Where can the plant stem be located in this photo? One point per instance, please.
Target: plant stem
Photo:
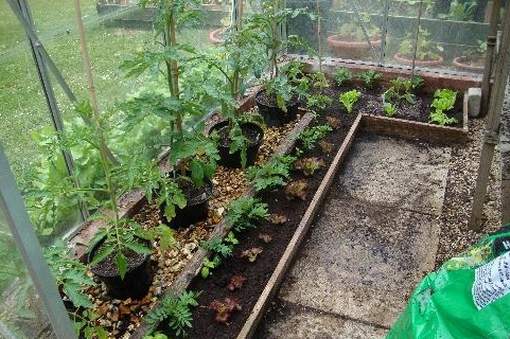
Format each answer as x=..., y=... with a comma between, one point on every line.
x=319, y=47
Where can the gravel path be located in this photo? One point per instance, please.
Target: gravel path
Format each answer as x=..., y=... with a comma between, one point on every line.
x=455, y=236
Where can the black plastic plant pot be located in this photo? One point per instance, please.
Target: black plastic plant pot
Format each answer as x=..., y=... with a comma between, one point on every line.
x=272, y=114
x=137, y=280
x=253, y=132
x=197, y=206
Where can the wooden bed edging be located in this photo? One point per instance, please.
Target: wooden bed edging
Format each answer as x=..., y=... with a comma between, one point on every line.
x=192, y=268
x=285, y=261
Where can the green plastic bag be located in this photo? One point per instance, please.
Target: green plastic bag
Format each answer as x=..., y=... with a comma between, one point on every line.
x=468, y=297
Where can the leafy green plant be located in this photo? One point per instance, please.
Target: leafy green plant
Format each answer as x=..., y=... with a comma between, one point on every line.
x=370, y=78
x=342, y=76
x=402, y=89
x=85, y=323
x=176, y=310
x=120, y=236
x=157, y=335
x=245, y=212
x=444, y=101
x=353, y=31
x=221, y=249
x=461, y=10
x=389, y=109
x=348, y=99
x=318, y=101
x=311, y=135
x=70, y=274
x=272, y=174
x=281, y=89
x=426, y=50
x=309, y=165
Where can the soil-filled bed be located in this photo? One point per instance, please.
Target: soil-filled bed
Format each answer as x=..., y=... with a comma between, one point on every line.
x=371, y=102
x=259, y=272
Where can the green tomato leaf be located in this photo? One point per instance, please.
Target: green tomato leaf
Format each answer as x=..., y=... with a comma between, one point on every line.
x=122, y=264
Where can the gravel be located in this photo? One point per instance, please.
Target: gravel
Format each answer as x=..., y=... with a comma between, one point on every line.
x=455, y=235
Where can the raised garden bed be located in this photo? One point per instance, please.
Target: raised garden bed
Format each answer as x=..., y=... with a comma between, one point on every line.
x=178, y=270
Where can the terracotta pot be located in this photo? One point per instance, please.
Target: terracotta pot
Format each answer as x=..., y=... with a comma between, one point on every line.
x=403, y=60
x=216, y=36
x=351, y=49
x=462, y=63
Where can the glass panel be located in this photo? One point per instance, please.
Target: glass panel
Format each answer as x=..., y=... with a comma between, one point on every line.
x=21, y=313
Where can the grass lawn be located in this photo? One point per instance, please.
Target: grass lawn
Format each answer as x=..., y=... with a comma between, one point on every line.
x=23, y=108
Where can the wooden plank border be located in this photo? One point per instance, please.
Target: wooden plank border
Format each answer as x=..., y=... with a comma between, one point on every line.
x=286, y=260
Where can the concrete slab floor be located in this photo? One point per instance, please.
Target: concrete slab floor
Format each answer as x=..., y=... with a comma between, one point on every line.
x=296, y=321
x=375, y=238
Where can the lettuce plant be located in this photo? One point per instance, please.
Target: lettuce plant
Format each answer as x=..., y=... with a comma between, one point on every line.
x=444, y=101
x=348, y=99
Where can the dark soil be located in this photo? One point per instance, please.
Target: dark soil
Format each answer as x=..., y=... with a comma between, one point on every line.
x=108, y=267
x=259, y=272
x=251, y=134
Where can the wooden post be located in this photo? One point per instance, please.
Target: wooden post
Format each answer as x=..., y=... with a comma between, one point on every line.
x=489, y=56
x=491, y=137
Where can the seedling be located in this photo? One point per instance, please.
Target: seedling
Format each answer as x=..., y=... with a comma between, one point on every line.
x=311, y=135
x=176, y=310
x=370, y=78
x=220, y=249
x=389, y=109
x=402, y=90
x=272, y=174
x=326, y=147
x=444, y=100
x=349, y=99
x=224, y=309
x=236, y=282
x=334, y=122
x=251, y=254
x=342, y=76
x=246, y=212
x=309, y=165
x=297, y=189
x=277, y=219
x=266, y=238
x=318, y=101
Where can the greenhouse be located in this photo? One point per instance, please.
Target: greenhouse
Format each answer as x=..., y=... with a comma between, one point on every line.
x=254, y=169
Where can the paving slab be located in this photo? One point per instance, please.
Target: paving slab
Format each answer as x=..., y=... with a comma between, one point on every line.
x=298, y=322
x=396, y=173
x=362, y=261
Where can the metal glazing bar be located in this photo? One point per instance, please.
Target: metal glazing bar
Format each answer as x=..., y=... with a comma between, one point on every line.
x=22, y=230
x=384, y=31
x=415, y=47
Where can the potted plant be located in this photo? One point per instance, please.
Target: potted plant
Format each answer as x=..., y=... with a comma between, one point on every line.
x=474, y=58
x=192, y=156
x=427, y=52
x=239, y=136
x=277, y=100
x=216, y=36
x=351, y=40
